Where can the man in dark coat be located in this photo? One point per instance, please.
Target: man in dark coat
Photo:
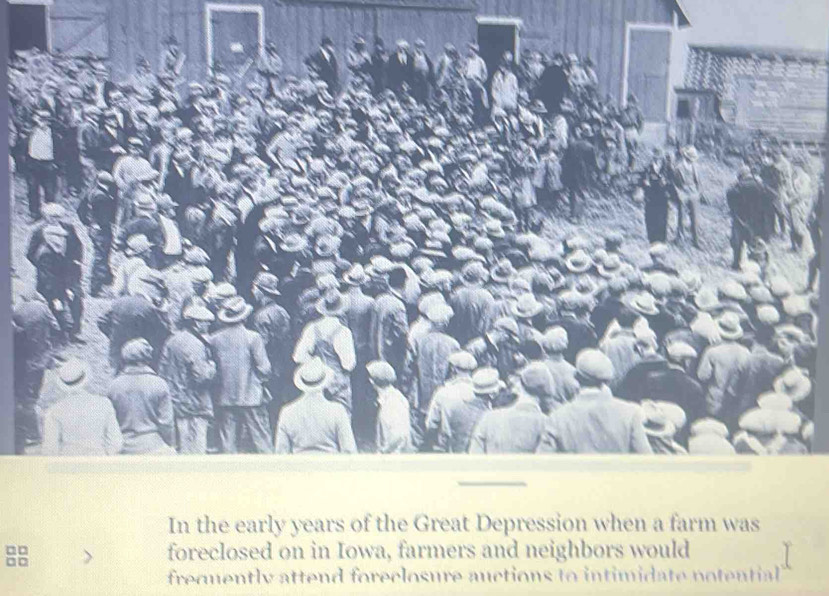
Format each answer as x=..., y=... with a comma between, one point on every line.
x=273, y=323
x=97, y=211
x=324, y=63
x=656, y=187
x=35, y=329
x=399, y=68
x=188, y=366
x=553, y=85
x=42, y=147
x=578, y=168
x=389, y=323
x=139, y=315
x=179, y=182
x=751, y=204
x=146, y=221
x=474, y=305
x=378, y=66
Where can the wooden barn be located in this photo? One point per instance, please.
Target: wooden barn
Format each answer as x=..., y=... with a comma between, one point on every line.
x=629, y=40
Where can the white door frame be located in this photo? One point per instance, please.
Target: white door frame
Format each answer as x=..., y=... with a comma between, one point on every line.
x=669, y=28
x=514, y=22
x=211, y=7
x=47, y=15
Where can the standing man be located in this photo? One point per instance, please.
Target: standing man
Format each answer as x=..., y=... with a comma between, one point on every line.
x=504, y=88
x=721, y=367
x=517, y=428
x=389, y=322
x=142, y=403
x=312, y=423
x=393, y=419
x=80, y=423
x=324, y=63
x=187, y=365
x=399, y=69
x=269, y=68
x=595, y=421
x=422, y=73
x=461, y=416
x=751, y=204
x=656, y=192
x=578, y=167
x=688, y=190
x=242, y=363
x=358, y=318
x=41, y=167
x=97, y=211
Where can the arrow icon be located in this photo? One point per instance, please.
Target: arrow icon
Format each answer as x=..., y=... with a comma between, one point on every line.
x=87, y=558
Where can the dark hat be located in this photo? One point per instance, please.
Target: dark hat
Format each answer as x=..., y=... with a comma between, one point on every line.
x=332, y=304
x=267, y=283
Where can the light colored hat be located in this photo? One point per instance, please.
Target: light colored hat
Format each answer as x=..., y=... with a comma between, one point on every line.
x=197, y=312
x=706, y=300
x=729, y=326
x=53, y=210
x=610, y=266
x=679, y=351
x=312, y=376
x=796, y=305
x=136, y=351
x=794, y=383
x=595, y=365
x=780, y=287
x=526, y=306
x=656, y=423
x=331, y=304
x=536, y=379
x=381, y=372
x=555, y=340
x=463, y=361
x=137, y=244
x=771, y=400
x=732, y=290
x=267, y=283
x=761, y=295
x=644, y=303
x=768, y=315
x=766, y=421
x=234, y=310
x=485, y=381
x=672, y=412
x=578, y=261
x=658, y=250
x=74, y=373
x=439, y=313
x=356, y=276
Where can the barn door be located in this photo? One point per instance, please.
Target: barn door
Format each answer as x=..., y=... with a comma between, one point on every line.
x=649, y=57
x=234, y=37
x=80, y=29
x=28, y=27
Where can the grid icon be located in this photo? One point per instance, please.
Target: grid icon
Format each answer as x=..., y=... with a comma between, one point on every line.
x=17, y=555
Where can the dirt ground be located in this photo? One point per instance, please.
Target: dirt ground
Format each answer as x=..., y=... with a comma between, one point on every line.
x=602, y=214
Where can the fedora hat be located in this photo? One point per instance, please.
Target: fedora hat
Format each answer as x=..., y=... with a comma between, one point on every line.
x=355, y=276
x=526, y=306
x=381, y=372
x=609, y=266
x=673, y=412
x=137, y=244
x=502, y=272
x=312, y=375
x=706, y=300
x=331, y=304
x=794, y=383
x=644, y=303
x=327, y=246
x=234, y=310
x=136, y=351
x=656, y=422
x=729, y=326
x=594, y=364
x=485, y=381
x=267, y=283
x=294, y=243
x=578, y=262
x=73, y=374
x=438, y=312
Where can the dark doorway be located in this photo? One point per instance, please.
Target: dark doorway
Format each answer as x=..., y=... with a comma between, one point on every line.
x=27, y=27
x=494, y=39
x=235, y=42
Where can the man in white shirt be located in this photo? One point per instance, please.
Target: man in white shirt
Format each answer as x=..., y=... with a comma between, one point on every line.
x=41, y=167
x=476, y=75
x=393, y=421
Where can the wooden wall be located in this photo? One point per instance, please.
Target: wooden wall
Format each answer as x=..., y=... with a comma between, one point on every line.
x=594, y=28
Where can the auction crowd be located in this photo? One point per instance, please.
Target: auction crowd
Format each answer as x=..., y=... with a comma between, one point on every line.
x=302, y=265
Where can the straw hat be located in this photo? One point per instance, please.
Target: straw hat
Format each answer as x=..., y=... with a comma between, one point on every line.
x=312, y=376
x=793, y=383
x=234, y=310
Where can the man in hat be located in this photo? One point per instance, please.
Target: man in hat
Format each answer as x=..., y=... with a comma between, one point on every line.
x=111, y=142
x=517, y=428
x=393, y=431
x=458, y=387
x=553, y=85
x=145, y=221
x=578, y=166
x=475, y=74
x=427, y=362
x=269, y=68
x=498, y=347
x=422, y=76
x=179, y=183
x=35, y=330
x=721, y=367
x=633, y=122
x=595, y=421
x=138, y=314
x=359, y=60
x=504, y=87
x=642, y=380
x=389, y=322
x=80, y=423
x=41, y=165
x=461, y=415
x=97, y=211
x=273, y=323
x=142, y=403
x=330, y=339
x=137, y=254
x=358, y=318
x=241, y=403
x=313, y=423
x=399, y=68
x=473, y=304
x=751, y=205
x=554, y=343
x=187, y=365
x=574, y=317
x=687, y=182
x=172, y=59
x=324, y=63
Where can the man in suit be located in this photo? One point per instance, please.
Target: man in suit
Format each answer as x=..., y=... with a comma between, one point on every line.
x=389, y=322
x=399, y=68
x=97, y=211
x=41, y=148
x=243, y=366
x=595, y=421
x=324, y=63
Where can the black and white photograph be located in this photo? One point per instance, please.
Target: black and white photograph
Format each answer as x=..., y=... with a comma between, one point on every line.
x=416, y=226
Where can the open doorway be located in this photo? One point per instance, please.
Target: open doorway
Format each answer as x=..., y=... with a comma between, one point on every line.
x=235, y=38
x=28, y=26
x=497, y=35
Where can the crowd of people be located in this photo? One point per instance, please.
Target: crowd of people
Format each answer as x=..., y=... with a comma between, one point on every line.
x=360, y=262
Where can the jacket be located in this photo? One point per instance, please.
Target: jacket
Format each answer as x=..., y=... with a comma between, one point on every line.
x=458, y=422
x=81, y=424
x=428, y=365
x=394, y=431
x=474, y=307
x=187, y=365
x=129, y=318
x=720, y=368
x=273, y=323
x=515, y=429
x=313, y=424
x=35, y=327
x=389, y=326
x=595, y=422
x=242, y=363
x=144, y=410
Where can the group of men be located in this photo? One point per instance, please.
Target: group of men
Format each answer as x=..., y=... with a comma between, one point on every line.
x=309, y=268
